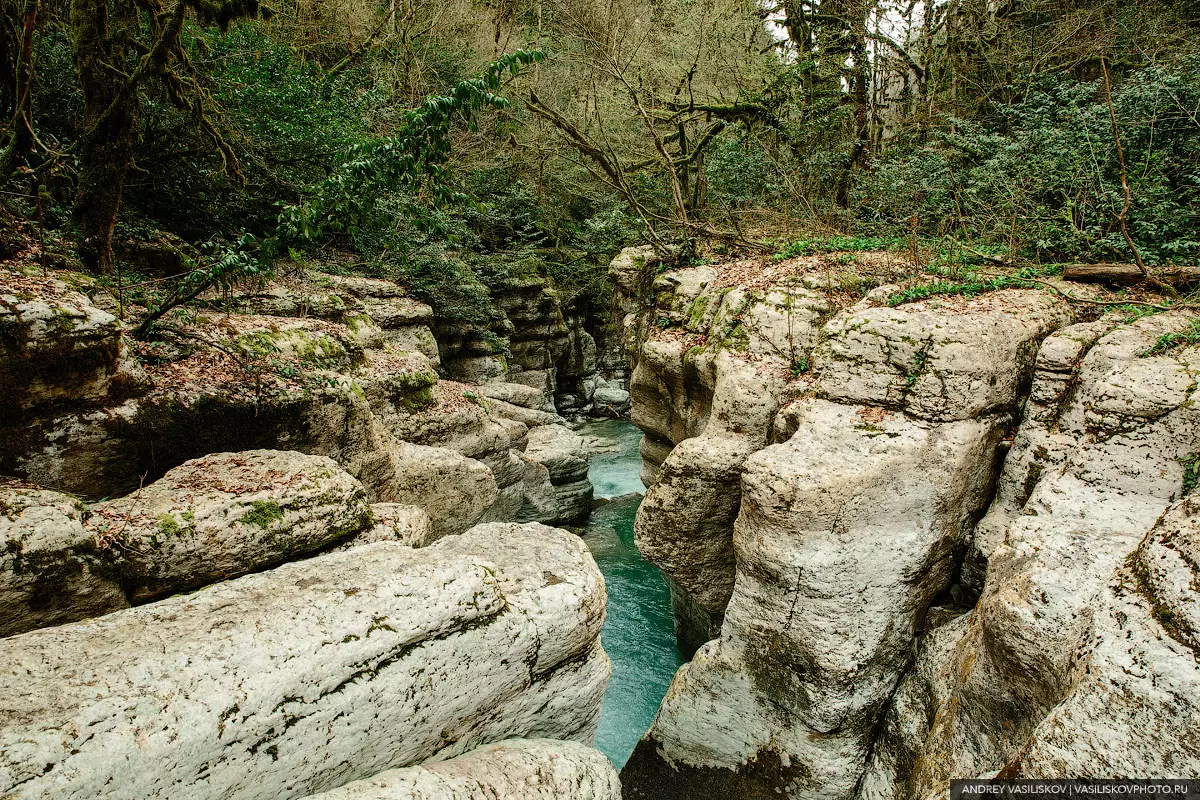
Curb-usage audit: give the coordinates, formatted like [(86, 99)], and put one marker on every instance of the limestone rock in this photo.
[(530, 417), (561, 450), (518, 395), (628, 267), (685, 526), (845, 535), (1073, 647), (1137, 683), (565, 457), (378, 657), (611, 397), (517, 769), (51, 571), (281, 300), (396, 522), (226, 514), (56, 347), (452, 489), (937, 363)]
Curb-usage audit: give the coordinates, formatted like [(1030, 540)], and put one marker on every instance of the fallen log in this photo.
[(1129, 274)]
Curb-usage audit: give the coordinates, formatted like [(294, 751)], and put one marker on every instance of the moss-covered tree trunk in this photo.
[(17, 54), (106, 146)]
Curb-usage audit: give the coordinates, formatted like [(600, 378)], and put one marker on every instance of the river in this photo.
[(639, 633)]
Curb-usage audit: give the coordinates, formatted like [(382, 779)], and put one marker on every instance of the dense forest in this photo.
[(437, 142)]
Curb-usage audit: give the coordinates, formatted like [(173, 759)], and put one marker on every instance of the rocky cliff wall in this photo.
[(817, 466), (314, 674), (280, 455), (328, 365)]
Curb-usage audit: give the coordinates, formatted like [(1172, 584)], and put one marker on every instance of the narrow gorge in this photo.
[(599, 399), (303, 550)]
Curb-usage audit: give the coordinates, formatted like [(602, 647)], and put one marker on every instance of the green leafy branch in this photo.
[(221, 266), (413, 163)]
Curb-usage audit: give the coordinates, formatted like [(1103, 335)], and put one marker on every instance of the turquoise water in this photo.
[(639, 633)]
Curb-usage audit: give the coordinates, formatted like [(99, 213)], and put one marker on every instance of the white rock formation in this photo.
[(517, 769), (56, 346), (1078, 657), (396, 522), (299, 680), (226, 514), (845, 534), (51, 571), (454, 490), (706, 389), (565, 458)]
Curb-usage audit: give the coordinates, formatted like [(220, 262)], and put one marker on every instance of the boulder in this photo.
[(226, 514), (517, 769), (51, 569), (685, 526), (629, 267), (454, 490), (57, 348), (530, 417), (611, 397), (561, 450), (517, 394), (298, 680), (563, 453), (395, 522)]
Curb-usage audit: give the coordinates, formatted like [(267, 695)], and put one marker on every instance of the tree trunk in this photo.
[(21, 122), (1130, 274), (106, 146)]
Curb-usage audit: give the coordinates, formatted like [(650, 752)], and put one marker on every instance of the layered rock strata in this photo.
[(515, 770), (327, 365), (312, 675), (208, 520), (845, 554)]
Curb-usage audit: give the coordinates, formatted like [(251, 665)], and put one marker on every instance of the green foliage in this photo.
[(411, 166), (971, 286), (1172, 341), (1043, 175), (1191, 473), (263, 513), (740, 172), (446, 283), (835, 244), (223, 267)]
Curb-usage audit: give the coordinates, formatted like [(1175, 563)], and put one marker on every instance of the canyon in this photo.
[(301, 546)]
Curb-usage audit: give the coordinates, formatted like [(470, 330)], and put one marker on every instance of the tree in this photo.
[(120, 48)]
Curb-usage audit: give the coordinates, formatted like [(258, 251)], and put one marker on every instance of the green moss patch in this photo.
[(263, 513)]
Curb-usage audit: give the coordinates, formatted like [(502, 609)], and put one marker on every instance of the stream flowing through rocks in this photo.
[(639, 633)]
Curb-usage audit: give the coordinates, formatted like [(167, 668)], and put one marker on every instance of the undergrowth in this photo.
[(970, 285), (1173, 341)]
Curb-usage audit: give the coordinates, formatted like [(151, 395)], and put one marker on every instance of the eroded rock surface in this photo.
[(536, 769), (227, 514), (561, 451), (705, 389), (377, 657), (846, 532), (51, 570), (1077, 658), (325, 365), (408, 525), (850, 663)]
